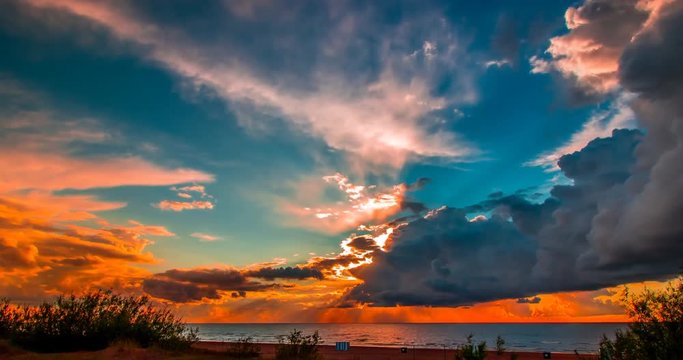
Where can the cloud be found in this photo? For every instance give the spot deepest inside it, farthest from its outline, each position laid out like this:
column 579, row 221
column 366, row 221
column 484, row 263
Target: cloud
column 39, row 150
column 185, row 190
column 44, row 252
column 196, row 285
column 526, row 248
column 534, row 300
column 54, row 242
column 384, row 117
column 205, row 237
column 601, row 124
column 599, row 30
column 298, row 273
column 54, row 171
column 497, row 63
column 363, row 204
column 178, row 206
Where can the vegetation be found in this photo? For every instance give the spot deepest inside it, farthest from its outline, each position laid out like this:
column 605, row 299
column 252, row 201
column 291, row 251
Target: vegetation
column 500, row 345
column 297, row 346
column 470, row 350
column 656, row 332
column 92, row 321
column 244, row 348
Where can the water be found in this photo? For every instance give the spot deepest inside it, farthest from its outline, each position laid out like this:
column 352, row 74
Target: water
column 520, row 337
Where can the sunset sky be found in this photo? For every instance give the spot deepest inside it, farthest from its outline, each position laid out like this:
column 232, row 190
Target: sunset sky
column 343, row 161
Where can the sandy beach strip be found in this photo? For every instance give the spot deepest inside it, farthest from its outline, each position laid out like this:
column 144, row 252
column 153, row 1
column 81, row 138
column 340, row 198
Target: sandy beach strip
column 393, row 353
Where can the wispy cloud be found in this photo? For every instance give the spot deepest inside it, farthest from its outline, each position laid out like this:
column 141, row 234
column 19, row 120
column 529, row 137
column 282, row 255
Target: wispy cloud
column 380, row 121
column 205, row 236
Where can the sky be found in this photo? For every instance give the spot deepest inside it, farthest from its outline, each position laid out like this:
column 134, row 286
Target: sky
column 343, row 161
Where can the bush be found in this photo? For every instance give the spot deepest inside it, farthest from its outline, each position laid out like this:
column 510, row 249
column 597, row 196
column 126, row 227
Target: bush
column 500, row 345
column 471, row 351
column 244, row 348
column 656, row 332
column 92, row 322
column 297, row 346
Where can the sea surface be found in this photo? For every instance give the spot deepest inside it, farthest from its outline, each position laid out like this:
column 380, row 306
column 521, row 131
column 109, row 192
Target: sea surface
column 520, row 337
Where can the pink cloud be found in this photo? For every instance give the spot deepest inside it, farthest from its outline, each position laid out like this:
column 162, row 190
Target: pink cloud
column 363, row 204
column 598, row 33
column 205, row 237
column 382, row 123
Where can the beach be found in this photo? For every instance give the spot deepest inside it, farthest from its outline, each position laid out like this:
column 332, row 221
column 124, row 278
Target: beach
column 392, row 353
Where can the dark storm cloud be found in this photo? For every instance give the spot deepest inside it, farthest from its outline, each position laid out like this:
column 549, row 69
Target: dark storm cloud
column 524, row 248
column 197, row 284
column 189, row 285
column 534, row 300
column 177, row 291
column 296, row 273
column 620, row 220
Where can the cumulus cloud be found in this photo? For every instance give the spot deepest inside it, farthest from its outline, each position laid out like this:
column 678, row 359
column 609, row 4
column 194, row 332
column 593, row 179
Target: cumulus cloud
column 599, row 30
column 524, row 248
column 618, row 222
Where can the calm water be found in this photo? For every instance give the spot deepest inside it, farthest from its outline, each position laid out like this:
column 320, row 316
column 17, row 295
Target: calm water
column 521, row 337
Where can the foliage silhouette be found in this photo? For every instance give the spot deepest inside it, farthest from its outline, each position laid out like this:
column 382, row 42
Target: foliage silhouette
column 92, row 321
column 470, row 350
column 656, row 332
column 297, row 346
column 244, row 348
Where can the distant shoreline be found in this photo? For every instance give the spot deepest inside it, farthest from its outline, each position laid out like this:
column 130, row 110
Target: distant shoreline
column 393, row 353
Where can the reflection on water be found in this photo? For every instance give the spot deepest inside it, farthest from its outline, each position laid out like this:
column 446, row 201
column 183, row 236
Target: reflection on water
column 522, row 337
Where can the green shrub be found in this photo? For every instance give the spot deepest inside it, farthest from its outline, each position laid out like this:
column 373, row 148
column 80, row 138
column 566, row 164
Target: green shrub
column 656, row 332
column 297, row 346
column 92, row 322
column 470, row 350
column 244, row 348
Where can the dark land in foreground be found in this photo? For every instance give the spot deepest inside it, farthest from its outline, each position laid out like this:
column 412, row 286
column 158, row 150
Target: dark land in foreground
column 218, row 350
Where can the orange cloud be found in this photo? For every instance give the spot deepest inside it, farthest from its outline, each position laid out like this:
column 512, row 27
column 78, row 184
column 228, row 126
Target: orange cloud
column 42, row 254
column 53, row 243
column 50, row 171
column 182, row 205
